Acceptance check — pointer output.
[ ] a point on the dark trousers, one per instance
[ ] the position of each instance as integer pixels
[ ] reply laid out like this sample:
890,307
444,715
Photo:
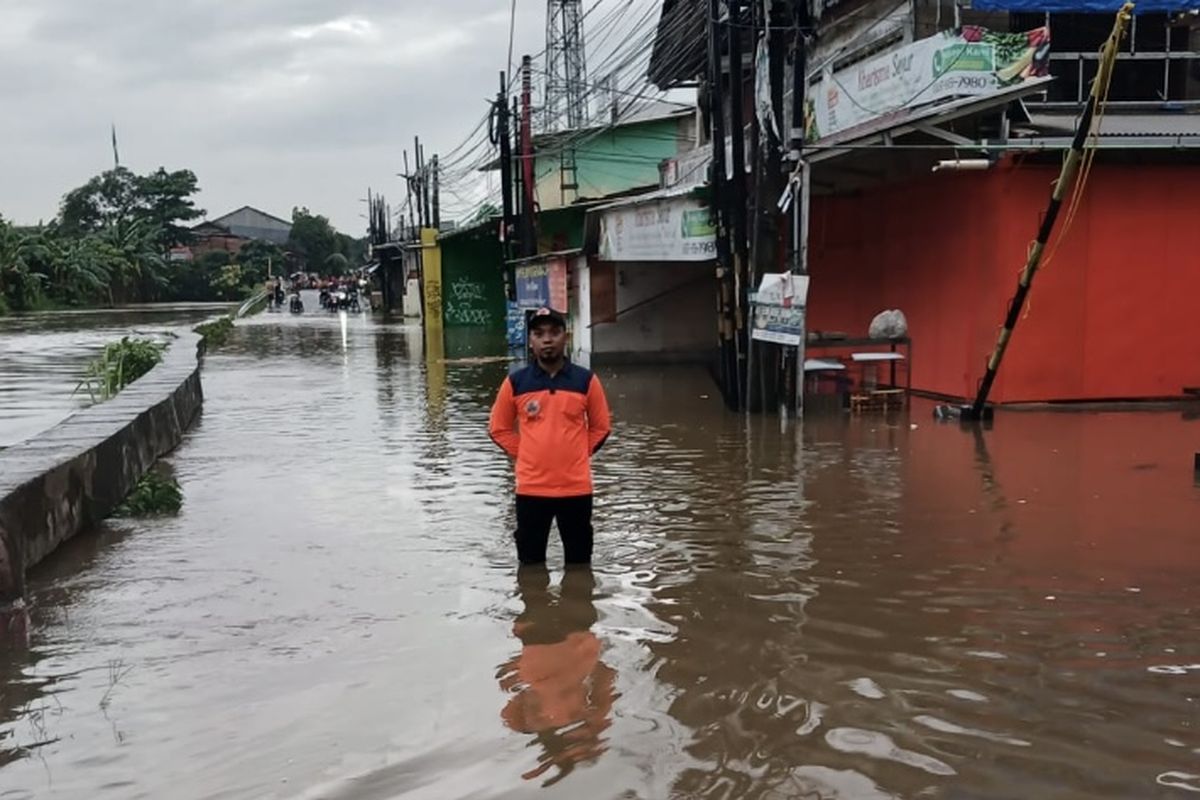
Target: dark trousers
534,515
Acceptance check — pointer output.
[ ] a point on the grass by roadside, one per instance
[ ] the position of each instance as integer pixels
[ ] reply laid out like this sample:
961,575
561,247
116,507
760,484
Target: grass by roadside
119,365
154,495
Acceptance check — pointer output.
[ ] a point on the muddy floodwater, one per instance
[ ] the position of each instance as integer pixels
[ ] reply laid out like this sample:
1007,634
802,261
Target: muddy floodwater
43,356
855,608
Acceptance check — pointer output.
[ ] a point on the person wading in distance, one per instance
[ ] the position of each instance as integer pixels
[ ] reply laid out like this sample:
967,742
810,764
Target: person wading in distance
551,417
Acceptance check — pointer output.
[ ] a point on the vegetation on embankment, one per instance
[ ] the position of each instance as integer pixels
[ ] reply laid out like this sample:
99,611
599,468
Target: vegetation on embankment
216,332
119,365
154,495
83,468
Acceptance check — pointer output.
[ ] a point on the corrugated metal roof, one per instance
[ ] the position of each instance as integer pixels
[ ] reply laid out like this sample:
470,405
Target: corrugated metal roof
649,197
1146,124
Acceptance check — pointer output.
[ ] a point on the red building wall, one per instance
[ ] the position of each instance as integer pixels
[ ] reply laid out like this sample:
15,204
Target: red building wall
1114,314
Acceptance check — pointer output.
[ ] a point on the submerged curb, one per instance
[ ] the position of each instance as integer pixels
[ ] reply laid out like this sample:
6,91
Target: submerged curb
73,475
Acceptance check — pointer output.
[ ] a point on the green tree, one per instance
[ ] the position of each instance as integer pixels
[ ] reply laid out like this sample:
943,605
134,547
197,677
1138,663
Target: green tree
160,199
20,282
312,237
82,269
194,280
258,259
165,199
137,267
108,198
336,264
227,283
355,250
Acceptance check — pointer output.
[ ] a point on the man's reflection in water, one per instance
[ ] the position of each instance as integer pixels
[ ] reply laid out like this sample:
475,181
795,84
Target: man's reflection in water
562,692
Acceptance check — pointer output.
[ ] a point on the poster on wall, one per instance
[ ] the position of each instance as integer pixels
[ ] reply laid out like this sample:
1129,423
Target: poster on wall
971,62
514,325
677,229
556,275
779,306
543,284
533,286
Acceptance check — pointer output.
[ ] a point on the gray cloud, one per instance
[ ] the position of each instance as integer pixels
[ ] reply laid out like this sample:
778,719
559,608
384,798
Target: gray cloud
272,102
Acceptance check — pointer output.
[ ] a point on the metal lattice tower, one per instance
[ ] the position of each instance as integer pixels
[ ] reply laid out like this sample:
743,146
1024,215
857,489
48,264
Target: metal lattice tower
565,101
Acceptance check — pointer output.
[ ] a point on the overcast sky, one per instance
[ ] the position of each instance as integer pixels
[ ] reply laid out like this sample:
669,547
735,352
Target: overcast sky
273,103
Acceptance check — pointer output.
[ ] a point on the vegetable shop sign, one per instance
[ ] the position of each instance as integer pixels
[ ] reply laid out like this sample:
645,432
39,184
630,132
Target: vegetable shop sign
973,62
666,230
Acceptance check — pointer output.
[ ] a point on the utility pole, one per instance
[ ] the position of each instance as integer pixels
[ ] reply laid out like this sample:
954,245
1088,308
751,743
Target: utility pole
408,182
528,227
416,182
769,184
737,135
437,214
424,169
800,211
518,178
979,409
725,283
501,136
800,189
740,198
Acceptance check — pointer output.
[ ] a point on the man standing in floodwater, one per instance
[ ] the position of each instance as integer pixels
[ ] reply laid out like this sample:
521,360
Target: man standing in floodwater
551,417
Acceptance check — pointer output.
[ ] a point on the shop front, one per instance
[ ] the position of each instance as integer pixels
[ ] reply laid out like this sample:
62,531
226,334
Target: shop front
648,294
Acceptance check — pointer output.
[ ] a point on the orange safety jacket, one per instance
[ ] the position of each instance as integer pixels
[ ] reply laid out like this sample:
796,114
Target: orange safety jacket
551,426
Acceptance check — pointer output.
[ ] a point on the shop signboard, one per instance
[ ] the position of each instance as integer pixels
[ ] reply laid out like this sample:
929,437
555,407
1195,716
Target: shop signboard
779,306
667,229
971,62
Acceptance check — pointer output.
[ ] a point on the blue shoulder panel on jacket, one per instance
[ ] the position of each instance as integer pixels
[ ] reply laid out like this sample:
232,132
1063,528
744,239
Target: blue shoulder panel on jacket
572,378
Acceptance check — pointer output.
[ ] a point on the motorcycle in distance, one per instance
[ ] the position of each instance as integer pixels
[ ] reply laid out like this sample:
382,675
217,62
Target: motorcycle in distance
340,300
296,305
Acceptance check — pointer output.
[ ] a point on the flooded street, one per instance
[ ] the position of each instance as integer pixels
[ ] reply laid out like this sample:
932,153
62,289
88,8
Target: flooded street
861,608
43,356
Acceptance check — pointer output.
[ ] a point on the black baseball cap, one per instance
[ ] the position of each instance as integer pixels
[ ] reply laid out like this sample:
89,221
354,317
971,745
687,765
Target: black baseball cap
545,314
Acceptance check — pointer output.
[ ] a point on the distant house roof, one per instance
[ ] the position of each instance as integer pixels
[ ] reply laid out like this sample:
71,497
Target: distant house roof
207,228
250,223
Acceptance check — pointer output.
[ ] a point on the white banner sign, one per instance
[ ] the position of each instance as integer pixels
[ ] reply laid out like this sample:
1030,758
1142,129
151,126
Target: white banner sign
779,325
969,63
675,229
778,308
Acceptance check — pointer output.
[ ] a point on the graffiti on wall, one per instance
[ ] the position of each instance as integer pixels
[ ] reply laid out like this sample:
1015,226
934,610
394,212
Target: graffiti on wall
466,303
